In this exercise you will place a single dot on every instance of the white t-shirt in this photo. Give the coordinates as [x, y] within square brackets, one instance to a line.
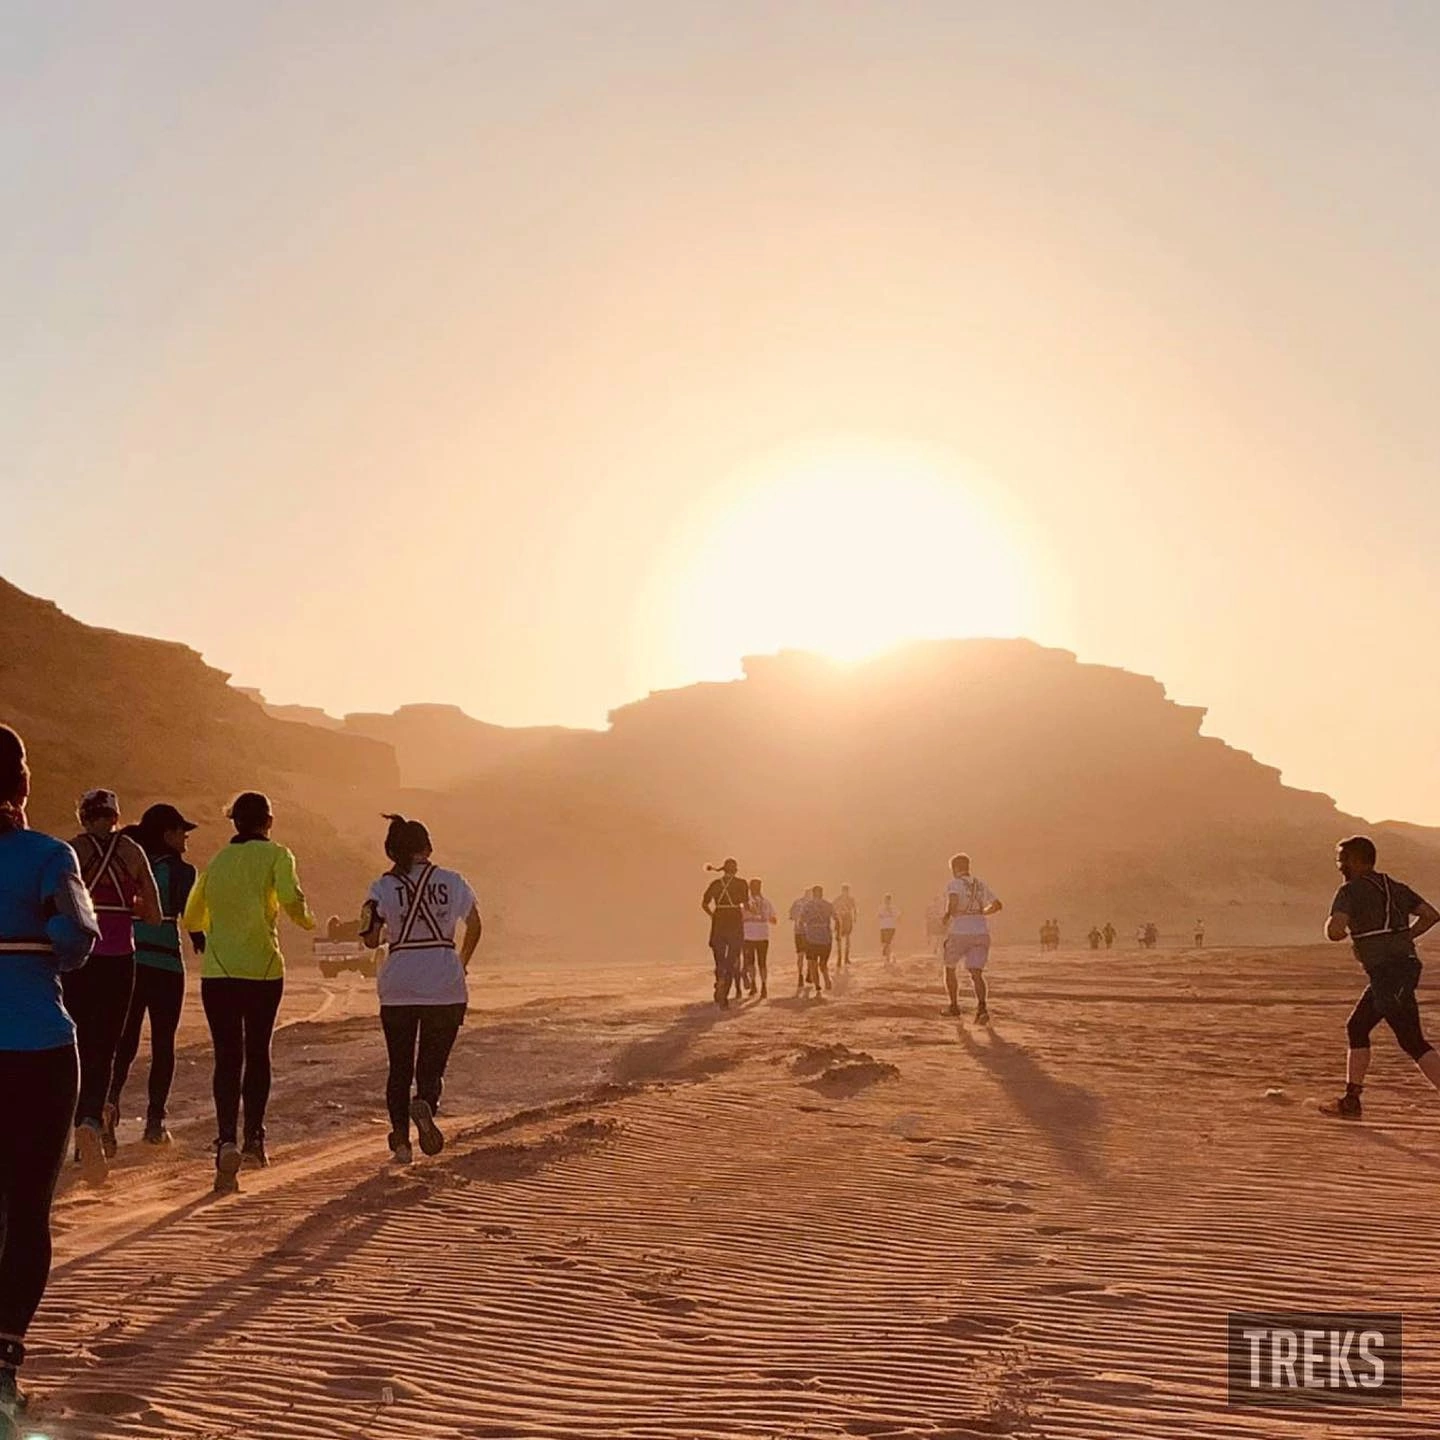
[426, 969]
[974, 895]
[759, 912]
[888, 916]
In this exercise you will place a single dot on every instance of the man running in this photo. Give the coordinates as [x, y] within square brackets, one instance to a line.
[122, 887]
[889, 920]
[797, 909]
[1374, 911]
[724, 902]
[759, 917]
[845, 912]
[1109, 932]
[1199, 934]
[1095, 937]
[159, 992]
[969, 902]
[817, 921]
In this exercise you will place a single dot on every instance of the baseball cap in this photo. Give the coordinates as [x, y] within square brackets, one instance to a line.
[95, 802]
[160, 818]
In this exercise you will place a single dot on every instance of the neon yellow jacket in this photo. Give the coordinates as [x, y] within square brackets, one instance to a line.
[237, 901]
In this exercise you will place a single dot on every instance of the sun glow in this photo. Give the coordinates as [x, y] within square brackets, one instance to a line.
[846, 550]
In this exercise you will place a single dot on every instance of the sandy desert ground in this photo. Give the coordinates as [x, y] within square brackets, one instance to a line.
[850, 1218]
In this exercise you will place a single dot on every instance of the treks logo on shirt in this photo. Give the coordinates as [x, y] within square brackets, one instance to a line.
[1314, 1358]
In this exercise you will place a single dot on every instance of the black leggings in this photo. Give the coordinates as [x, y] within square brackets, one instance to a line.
[241, 1015]
[97, 995]
[726, 949]
[1390, 996]
[419, 1039]
[160, 994]
[37, 1107]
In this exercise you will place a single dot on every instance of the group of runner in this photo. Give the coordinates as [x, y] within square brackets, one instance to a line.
[91, 951]
[91, 940]
[742, 917]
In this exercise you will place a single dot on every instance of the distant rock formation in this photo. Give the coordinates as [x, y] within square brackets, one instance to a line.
[1081, 790]
[149, 719]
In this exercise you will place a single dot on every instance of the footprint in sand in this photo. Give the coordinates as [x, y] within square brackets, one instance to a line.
[670, 1304]
[114, 1403]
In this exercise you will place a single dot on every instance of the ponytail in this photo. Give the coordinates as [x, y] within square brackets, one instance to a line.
[404, 841]
[14, 781]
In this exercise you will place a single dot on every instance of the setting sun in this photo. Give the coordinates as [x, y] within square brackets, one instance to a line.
[846, 549]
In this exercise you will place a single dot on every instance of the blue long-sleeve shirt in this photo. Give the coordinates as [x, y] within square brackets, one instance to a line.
[47, 925]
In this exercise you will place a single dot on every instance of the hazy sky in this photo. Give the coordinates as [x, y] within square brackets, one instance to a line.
[534, 355]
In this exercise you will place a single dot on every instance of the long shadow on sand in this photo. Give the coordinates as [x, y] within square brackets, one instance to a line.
[1068, 1116]
[660, 1057]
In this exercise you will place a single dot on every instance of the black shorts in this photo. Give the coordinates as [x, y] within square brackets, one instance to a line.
[799, 943]
[886, 936]
[814, 950]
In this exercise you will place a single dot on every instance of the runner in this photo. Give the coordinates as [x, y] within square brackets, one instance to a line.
[797, 908]
[1109, 932]
[97, 996]
[159, 992]
[1373, 911]
[1095, 936]
[845, 912]
[724, 902]
[1199, 934]
[236, 903]
[759, 917]
[817, 921]
[421, 983]
[969, 901]
[47, 926]
[889, 920]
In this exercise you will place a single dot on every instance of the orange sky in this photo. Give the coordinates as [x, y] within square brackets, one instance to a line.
[500, 354]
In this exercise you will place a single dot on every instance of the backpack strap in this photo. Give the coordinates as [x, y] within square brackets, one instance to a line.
[102, 869]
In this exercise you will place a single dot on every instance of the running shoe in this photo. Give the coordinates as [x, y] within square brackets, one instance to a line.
[253, 1155]
[432, 1142]
[1346, 1107]
[156, 1133]
[401, 1152]
[90, 1150]
[982, 1015]
[227, 1168]
[13, 1402]
[109, 1120]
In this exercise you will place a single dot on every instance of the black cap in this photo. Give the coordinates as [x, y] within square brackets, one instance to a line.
[160, 818]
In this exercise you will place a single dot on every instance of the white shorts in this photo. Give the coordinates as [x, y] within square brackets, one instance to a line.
[972, 951]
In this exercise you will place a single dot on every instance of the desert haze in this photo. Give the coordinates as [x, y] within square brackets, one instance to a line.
[788, 1218]
[717, 720]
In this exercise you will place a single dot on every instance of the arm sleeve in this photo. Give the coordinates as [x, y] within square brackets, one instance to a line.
[197, 910]
[70, 924]
[288, 892]
[1340, 905]
[1412, 902]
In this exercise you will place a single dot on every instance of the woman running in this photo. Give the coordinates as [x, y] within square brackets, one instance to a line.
[97, 996]
[236, 904]
[47, 926]
[421, 982]
[159, 992]
[759, 917]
